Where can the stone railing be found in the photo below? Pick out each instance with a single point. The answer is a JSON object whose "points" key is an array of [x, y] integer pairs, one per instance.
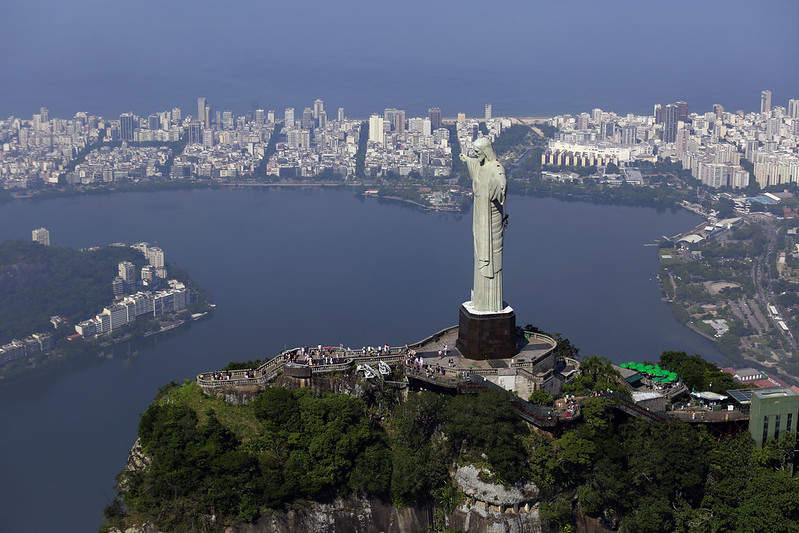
{"points": [[433, 337], [540, 338], [270, 369], [529, 376]]}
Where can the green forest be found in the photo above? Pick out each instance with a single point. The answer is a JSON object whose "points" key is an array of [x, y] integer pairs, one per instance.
{"points": [[37, 282], [291, 446]]}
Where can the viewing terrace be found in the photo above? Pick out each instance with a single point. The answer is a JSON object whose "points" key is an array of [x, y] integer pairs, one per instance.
{"points": [[433, 363]]}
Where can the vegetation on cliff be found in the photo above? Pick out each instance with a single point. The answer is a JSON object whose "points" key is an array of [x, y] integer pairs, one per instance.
{"points": [[234, 462], [667, 477], [287, 446]]}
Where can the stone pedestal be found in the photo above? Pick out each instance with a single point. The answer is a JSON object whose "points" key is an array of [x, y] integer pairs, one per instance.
{"points": [[486, 335]]}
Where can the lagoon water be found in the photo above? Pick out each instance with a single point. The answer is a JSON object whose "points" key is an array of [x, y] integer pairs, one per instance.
{"points": [[293, 266]]}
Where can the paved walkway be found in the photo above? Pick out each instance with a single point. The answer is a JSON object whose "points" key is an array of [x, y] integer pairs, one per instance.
{"points": [[456, 361]]}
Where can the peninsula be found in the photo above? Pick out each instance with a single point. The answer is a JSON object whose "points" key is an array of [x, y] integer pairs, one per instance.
{"points": [[48, 295]]}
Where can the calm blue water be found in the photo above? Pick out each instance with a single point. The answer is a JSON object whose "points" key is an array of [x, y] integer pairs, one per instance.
{"points": [[291, 267]]}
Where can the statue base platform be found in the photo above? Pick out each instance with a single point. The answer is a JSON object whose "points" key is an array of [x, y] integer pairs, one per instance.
{"points": [[486, 335]]}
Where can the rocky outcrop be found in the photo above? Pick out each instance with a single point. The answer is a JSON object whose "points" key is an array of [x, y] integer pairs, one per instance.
{"points": [[476, 484], [146, 527], [350, 515], [480, 519]]}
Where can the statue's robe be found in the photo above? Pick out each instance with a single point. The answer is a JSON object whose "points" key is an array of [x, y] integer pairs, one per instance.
{"points": [[488, 184]]}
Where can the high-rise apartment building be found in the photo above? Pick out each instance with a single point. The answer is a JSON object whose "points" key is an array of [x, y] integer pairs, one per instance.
{"points": [[427, 126], [270, 116], [195, 133], [682, 111], [42, 236], [488, 111], [318, 107], [307, 119], [399, 121], [434, 113], [670, 113], [629, 134], [376, 129], [341, 114], [127, 271], [658, 114], [389, 116], [260, 116], [288, 117], [718, 110], [765, 101], [126, 126], [201, 109], [793, 108], [155, 256], [228, 120]]}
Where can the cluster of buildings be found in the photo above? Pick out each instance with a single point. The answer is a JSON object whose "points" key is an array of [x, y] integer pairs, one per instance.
{"points": [[38, 342], [220, 145], [35, 152], [107, 165], [223, 146], [417, 145], [155, 301], [601, 138], [126, 309], [315, 144], [711, 145]]}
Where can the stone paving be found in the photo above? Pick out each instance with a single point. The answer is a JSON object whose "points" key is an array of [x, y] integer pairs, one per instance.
{"points": [[455, 360]]}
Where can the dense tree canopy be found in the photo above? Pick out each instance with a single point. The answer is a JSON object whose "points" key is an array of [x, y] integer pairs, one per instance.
{"points": [[237, 461]]}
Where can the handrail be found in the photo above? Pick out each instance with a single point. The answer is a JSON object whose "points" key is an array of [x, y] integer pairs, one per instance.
{"points": [[271, 367], [433, 336]]}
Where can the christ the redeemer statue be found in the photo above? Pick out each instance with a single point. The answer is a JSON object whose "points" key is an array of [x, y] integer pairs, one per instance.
{"points": [[488, 226]]}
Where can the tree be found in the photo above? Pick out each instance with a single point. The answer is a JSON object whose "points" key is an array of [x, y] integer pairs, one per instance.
{"points": [[541, 397]]}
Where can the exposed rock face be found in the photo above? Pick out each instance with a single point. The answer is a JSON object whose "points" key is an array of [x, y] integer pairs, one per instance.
{"points": [[340, 384], [478, 519], [351, 515], [469, 481], [243, 394], [146, 527]]}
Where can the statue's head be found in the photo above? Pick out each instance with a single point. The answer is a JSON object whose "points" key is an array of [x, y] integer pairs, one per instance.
{"points": [[483, 149]]}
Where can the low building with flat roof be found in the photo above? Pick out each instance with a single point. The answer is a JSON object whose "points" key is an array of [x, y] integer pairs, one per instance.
{"points": [[772, 413]]}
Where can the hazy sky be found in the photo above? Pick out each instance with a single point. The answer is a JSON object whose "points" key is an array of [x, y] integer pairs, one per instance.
{"points": [[523, 56]]}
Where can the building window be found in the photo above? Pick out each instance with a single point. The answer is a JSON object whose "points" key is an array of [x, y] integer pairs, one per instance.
{"points": [[777, 427], [765, 428], [790, 420]]}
